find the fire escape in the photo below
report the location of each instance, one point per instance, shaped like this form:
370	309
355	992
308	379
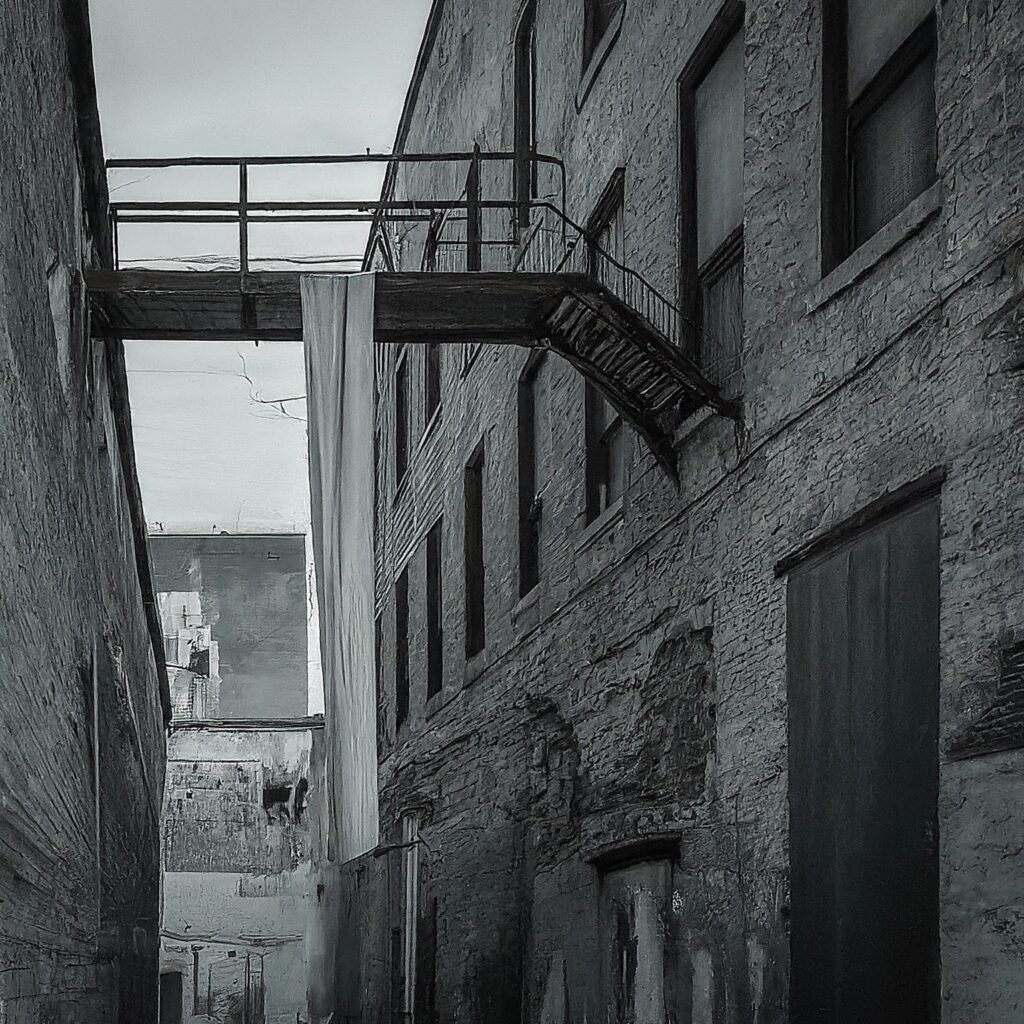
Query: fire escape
493	270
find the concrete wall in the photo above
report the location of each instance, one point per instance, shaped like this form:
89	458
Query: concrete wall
82	744
239	884
251	592
642	690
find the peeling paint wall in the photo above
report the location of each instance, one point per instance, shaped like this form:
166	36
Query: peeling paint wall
81	723
240	876
640	693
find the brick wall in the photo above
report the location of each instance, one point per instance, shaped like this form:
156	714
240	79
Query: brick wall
642	689
82	739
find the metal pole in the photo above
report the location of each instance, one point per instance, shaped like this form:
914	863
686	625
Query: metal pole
243	218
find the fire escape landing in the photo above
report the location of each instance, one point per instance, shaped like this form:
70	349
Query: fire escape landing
553	288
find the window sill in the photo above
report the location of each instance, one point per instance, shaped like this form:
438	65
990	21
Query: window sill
431	426
886	240
603	524
526	613
474	668
598	57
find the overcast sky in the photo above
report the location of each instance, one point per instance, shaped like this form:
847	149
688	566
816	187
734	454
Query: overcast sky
239	78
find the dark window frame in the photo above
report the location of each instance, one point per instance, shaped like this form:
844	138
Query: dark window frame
402	419
530	505
843	115
474	565
402	648
435	611
694	275
597	465
594	34
432	398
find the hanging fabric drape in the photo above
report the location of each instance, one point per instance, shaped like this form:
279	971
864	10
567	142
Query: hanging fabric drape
337	323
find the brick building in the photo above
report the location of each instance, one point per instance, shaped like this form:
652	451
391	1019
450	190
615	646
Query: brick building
737	746
82	681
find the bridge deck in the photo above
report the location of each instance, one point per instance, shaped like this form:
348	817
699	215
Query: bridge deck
215	305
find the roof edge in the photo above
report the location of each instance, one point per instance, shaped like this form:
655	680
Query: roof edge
412	95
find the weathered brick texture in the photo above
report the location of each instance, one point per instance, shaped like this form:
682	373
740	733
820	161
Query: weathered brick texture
642	690
81	731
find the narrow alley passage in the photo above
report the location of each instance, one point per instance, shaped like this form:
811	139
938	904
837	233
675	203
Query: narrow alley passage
513	512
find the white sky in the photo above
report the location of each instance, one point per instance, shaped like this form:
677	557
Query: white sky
239	78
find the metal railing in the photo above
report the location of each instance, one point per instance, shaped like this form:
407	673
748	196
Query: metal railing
472	207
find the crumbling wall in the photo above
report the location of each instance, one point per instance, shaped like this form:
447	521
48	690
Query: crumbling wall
239	871
82	742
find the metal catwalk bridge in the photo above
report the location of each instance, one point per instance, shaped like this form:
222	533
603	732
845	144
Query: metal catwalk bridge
492	270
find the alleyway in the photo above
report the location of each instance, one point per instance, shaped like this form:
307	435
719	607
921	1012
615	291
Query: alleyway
525	526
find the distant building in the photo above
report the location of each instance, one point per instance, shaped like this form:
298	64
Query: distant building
242	807
234	614
83	694
685	717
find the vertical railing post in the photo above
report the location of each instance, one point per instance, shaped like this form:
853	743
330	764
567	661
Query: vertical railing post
243	218
248	311
474	225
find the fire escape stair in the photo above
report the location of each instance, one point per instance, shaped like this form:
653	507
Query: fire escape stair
649	380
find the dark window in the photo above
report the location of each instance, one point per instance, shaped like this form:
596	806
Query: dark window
474	552
863	677
600	16
525	112
431	381
532	422
711	136
604	431
402	648
606	453
435	632
880	124
401	420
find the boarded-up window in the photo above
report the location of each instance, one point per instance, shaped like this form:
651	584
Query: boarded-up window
474	552
532	425
402	648
718	177
879	146
892	151
863	669
435	632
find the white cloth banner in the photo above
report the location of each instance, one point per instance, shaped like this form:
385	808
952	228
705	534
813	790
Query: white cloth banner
337	327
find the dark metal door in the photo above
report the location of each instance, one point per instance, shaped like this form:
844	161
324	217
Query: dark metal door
863	776
170	998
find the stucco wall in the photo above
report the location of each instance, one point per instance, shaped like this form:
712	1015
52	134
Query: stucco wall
82	743
585	721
